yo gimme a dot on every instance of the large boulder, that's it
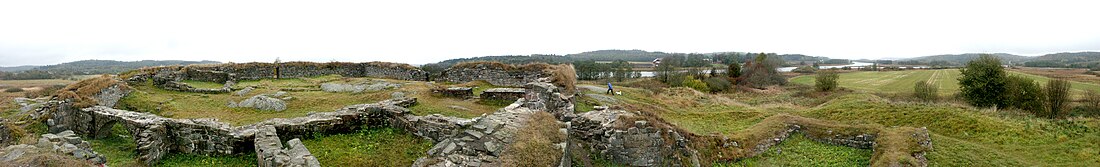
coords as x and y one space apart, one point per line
262 102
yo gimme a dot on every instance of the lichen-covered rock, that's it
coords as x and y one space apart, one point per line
244 91
358 87
263 102
65 143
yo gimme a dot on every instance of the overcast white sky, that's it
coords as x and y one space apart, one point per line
413 31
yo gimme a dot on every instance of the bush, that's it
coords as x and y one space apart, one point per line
718 84
983 82
826 80
12 90
804 69
1023 93
1091 103
1057 98
762 72
733 70
696 84
926 91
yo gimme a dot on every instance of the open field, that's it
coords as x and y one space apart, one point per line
961 135
902 81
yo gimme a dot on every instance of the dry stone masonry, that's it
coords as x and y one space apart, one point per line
503 94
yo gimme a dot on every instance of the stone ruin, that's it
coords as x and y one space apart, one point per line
455 92
631 138
503 94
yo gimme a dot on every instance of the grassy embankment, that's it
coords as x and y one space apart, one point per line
962 136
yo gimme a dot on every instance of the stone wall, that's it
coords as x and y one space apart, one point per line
635 143
456 92
503 94
270 151
548 97
494 74
156 136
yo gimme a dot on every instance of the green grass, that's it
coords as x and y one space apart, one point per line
801 151
892 81
203 84
368 147
903 81
961 135
187 160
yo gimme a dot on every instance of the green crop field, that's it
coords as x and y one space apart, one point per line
903 81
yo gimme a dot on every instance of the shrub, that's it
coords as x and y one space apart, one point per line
12 90
804 69
982 83
926 91
1057 97
696 84
718 84
733 70
826 80
762 72
1091 103
1023 93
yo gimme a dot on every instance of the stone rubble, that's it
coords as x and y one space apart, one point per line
66 143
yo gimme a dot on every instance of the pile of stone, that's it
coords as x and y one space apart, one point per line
455 92
66 143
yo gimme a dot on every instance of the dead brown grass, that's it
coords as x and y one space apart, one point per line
534 144
563 75
81 92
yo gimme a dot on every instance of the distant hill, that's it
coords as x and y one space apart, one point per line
1067 60
960 59
86 67
612 55
17 68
